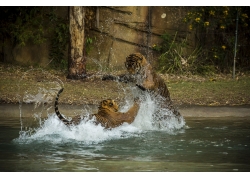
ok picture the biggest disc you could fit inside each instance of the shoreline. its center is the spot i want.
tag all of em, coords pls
(187, 111)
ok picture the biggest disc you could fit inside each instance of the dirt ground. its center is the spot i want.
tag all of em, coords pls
(215, 90)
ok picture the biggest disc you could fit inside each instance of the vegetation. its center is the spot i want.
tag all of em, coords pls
(215, 31)
(35, 25)
(214, 28)
(211, 91)
(88, 44)
(22, 24)
(189, 90)
(59, 42)
(174, 58)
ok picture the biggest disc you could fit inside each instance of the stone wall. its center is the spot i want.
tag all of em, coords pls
(124, 30)
(116, 33)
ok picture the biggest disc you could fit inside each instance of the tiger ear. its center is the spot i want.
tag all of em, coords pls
(104, 102)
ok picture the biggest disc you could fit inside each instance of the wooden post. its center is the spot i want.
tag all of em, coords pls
(77, 61)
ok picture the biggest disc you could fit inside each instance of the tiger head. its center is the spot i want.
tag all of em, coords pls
(135, 62)
(109, 104)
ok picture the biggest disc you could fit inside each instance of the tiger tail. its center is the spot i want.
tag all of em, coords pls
(59, 115)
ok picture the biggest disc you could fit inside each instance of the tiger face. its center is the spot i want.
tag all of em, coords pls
(135, 62)
(109, 104)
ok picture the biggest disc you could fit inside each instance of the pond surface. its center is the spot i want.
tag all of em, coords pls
(221, 144)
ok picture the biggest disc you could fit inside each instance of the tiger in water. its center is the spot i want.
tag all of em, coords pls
(142, 74)
(107, 115)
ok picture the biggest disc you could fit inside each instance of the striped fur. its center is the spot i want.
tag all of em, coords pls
(108, 115)
(59, 115)
(141, 73)
(136, 63)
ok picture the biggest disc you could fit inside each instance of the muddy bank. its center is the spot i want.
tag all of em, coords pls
(12, 110)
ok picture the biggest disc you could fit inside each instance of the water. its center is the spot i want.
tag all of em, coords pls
(38, 141)
(221, 144)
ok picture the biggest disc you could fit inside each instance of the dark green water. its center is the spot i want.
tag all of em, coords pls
(205, 145)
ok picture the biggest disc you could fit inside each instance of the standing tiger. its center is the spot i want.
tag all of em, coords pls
(107, 115)
(142, 74)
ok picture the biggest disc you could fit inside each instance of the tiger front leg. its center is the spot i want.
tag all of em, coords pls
(130, 115)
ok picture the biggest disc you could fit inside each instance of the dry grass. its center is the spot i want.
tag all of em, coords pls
(194, 90)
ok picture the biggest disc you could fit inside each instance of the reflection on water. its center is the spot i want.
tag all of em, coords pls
(203, 145)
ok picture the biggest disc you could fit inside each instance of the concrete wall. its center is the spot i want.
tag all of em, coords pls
(124, 30)
(117, 32)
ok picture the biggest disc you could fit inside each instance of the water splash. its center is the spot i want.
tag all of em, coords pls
(41, 93)
(54, 131)
(153, 116)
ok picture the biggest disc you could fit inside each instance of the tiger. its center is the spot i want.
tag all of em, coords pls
(142, 74)
(108, 114)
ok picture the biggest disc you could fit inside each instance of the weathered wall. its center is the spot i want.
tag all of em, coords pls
(37, 55)
(121, 31)
(124, 30)
(116, 33)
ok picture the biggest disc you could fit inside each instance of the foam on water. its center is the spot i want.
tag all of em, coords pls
(53, 130)
(151, 117)
(86, 132)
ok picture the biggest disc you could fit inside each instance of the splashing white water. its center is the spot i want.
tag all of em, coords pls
(152, 116)
(53, 130)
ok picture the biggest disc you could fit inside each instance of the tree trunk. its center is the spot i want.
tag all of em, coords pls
(77, 61)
